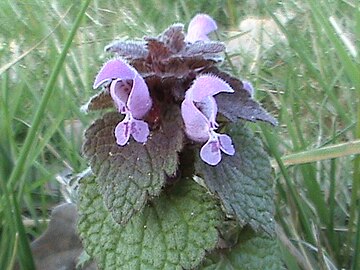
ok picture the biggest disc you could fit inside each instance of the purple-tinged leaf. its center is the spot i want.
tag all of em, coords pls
(130, 175)
(243, 181)
(199, 27)
(100, 101)
(240, 103)
(128, 49)
(158, 51)
(201, 48)
(173, 38)
(180, 67)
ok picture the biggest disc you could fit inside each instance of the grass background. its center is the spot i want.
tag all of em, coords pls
(310, 81)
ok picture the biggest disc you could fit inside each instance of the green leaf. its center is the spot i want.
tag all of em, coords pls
(243, 181)
(172, 232)
(251, 252)
(129, 175)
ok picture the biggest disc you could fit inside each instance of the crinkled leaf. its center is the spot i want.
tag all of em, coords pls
(243, 181)
(174, 37)
(165, 63)
(181, 67)
(128, 175)
(251, 252)
(168, 55)
(128, 49)
(100, 101)
(172, 232)
(158, 51)
(201, 47)
(240, 103)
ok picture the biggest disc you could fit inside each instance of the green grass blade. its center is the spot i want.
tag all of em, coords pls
(351, 68)
(25, 255)
(355, 196)
(18, 170)
(356, 259)
(14, 252)
(272, 144)
(28, 51)
(299, 45)
(323, 153)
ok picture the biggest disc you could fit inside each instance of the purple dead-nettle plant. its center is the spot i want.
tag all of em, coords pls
(173, 116)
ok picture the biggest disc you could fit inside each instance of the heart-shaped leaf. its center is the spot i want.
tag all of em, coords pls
(129, 175)
(251, 252)
(174, 231)
(243, 181)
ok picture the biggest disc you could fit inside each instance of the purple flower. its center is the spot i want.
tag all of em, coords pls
(199, 27)
(131, 96)
(199, 111)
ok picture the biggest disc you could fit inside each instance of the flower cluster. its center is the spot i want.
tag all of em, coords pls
(199, 112)
(132, 97)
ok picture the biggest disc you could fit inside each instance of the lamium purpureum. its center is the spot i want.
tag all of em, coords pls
(171, 113)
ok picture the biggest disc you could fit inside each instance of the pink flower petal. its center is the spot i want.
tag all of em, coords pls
(139, 102)
(122, 132)
(120, 92)
(114, 69)
(210, 152)
(208, 107)
(139, 130)
(196, 124)
(130, 126)
(226, 144)
(199, 27)
(207, 85)
(199, 111)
